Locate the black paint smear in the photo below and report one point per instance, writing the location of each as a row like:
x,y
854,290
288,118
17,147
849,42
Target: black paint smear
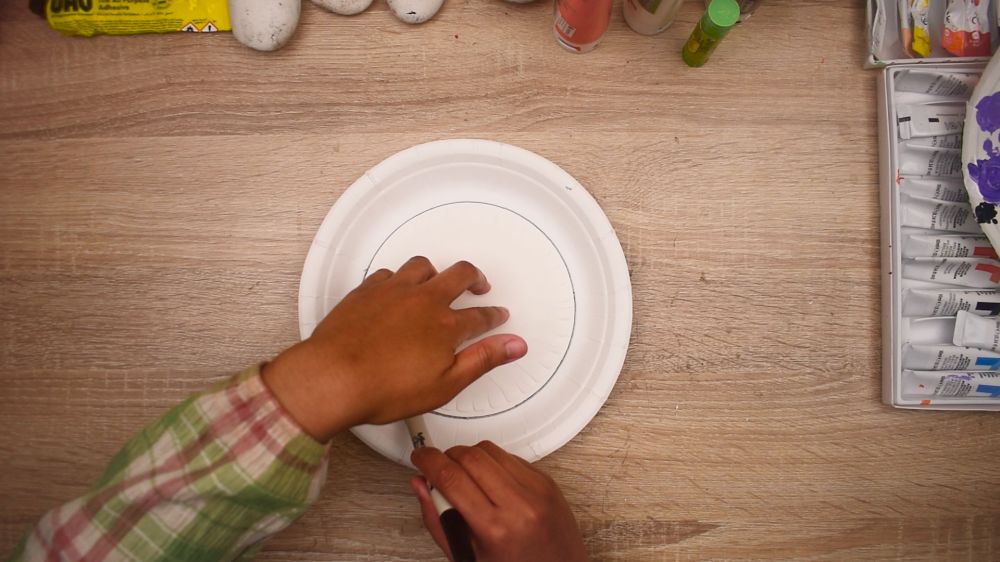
x,y
986,213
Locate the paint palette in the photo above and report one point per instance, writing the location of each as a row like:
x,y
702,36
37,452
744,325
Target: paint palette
x,y
550,254
981,151
936,261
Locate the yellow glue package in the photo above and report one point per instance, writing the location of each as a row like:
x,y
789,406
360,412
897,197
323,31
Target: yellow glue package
x,y
131,17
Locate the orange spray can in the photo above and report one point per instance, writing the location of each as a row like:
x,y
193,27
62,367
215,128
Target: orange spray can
x,y
581,24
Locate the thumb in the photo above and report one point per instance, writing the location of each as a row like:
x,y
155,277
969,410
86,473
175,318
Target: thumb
x,y
430,514
486,355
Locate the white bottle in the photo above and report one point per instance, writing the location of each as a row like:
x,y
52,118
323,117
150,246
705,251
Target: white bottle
x,y
650,17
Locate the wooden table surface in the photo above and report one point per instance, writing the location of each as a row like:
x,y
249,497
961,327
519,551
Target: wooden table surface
x,y
158,195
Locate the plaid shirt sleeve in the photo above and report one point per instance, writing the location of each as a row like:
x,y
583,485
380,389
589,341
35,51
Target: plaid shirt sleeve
x,y
210,480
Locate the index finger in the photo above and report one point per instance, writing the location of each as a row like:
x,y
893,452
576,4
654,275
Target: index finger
x,y
474,322
518,468
454,482
498,484
460,277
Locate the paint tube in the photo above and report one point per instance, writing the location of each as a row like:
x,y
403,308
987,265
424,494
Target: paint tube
x,y
951,384
967,28
920,212
933,162
940,141
964,272
976,331
942,189
930,119
914,29
948,302
953,84
947,246
949,358
936,330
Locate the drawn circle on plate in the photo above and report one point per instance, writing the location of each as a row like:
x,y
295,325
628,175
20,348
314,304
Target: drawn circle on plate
x,y
552,259
540,299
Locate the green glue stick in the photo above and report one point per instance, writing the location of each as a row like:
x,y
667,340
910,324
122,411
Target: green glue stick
x,y
719,18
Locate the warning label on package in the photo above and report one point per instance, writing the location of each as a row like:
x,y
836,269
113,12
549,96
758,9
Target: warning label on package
x,y
130,17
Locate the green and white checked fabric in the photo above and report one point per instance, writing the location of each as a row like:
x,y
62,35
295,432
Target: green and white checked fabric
x,y
210,480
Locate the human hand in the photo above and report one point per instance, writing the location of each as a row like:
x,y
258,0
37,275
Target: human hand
x,y
387,351
514,512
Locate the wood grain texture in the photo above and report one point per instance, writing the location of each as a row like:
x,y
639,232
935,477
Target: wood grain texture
x,y
158,195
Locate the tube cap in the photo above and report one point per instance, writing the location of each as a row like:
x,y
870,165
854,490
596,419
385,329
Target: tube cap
x,y
724,13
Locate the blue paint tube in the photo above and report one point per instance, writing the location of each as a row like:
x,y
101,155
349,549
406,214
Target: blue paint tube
x,y
949,358
950,384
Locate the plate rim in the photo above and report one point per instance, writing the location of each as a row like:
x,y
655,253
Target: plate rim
x,y
586,208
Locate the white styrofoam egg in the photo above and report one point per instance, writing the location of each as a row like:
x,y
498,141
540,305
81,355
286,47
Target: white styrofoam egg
x,y
414,11
264,25
344,7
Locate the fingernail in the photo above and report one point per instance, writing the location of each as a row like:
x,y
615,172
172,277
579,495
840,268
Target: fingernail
x,y
515,348
505,313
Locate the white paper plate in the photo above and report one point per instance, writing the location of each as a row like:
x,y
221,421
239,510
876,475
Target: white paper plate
x,y
550,254
981,151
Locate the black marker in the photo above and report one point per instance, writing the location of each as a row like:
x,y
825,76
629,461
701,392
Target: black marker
x,y
456,530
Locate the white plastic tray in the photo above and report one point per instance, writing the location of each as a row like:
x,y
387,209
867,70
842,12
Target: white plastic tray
x,y
897,329
550,254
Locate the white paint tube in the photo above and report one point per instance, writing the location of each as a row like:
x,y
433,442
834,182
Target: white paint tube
x,y
942,141
930,119
936,330
948,302
953,84
947,246
933,162
920,212
964,272
949,358
976,331
951,384
942,189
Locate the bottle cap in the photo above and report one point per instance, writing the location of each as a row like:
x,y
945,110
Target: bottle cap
x,y
724,13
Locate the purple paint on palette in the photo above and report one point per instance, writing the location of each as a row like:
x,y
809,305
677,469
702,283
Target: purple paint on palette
x,y
988,113
986,173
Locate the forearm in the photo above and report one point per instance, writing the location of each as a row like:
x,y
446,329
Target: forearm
x,y
209,480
